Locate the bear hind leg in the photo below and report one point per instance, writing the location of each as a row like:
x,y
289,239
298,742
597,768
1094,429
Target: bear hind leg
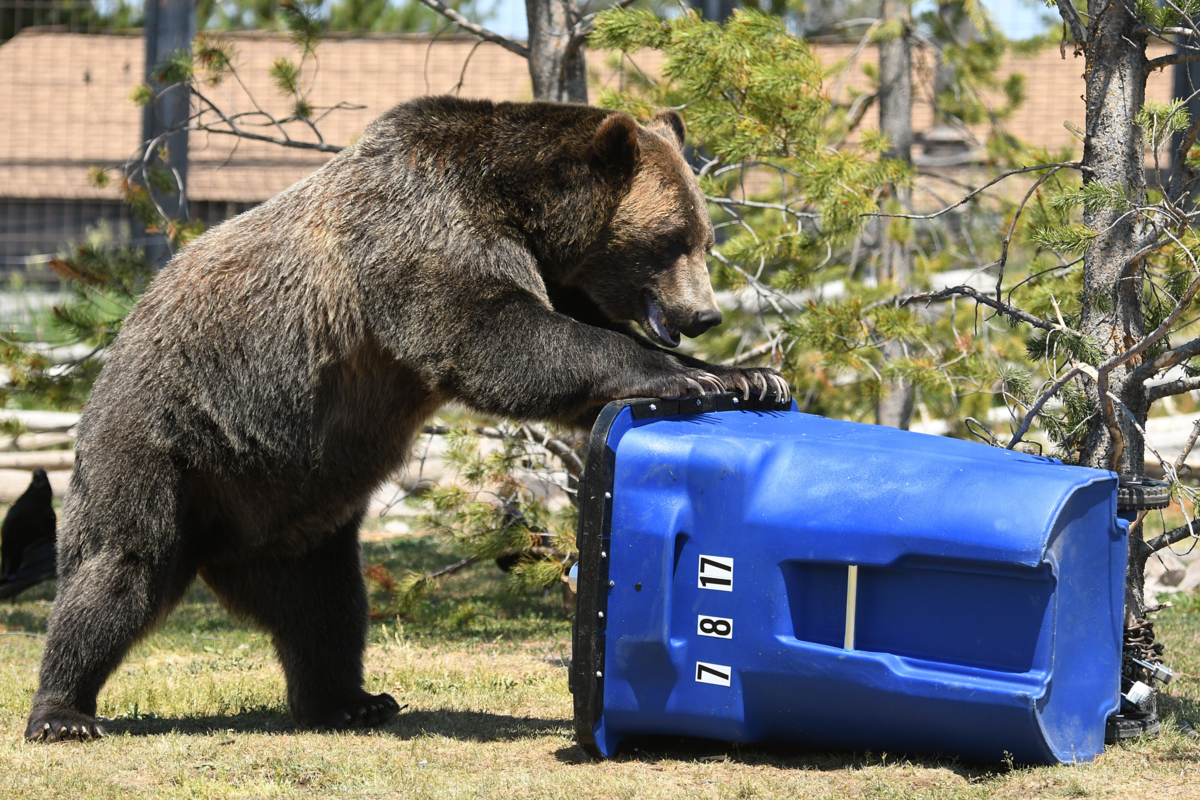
x,y
315,608
104,604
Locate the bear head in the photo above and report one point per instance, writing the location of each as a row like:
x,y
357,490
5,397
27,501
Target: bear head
x,y
648,264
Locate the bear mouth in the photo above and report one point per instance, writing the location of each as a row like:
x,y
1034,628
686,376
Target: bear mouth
x,y
656,323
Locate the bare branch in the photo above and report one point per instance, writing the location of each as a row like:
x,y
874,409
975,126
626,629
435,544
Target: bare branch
x,y
1004,308
452,568
752,354
1178,57
1169,359
1167,539
1003,260
988,185
1187,447
244,134
478,30
1070,16
1157,391
236,130
563,451
1036,408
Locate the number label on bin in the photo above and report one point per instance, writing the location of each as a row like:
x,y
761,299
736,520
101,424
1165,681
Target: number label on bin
x,y
716,674
720,627
716,573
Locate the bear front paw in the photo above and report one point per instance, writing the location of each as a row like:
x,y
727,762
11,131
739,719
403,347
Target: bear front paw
x,y
58,724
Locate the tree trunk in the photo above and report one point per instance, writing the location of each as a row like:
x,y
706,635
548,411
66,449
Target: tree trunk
x,y
556,61
170,25
1112,282
715,10
895,406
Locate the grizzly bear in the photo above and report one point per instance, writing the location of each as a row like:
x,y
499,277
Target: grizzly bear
x,y
276,371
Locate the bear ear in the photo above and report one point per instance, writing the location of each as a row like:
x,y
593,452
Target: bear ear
x,y
669,124
616,142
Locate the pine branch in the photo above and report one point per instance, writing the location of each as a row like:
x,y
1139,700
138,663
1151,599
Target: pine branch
x,y
587,22
557,447
1162,330
478,30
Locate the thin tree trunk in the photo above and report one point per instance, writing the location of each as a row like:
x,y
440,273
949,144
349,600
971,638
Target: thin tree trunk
x,y
1112,281
895,119
556,61
169,25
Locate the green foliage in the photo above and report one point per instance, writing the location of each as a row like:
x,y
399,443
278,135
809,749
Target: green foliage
x,y
213,55
789,196
175,67
141,95
1066,239
1093,196
285,74
753,97
492,510
1167,15
303,22
1159,121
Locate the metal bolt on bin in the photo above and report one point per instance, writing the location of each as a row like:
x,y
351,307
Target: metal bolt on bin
x,y
772,576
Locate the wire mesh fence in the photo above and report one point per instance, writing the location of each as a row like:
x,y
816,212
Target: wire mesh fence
x,y
67,74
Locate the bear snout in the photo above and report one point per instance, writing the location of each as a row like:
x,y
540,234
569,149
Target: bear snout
x,y
702,321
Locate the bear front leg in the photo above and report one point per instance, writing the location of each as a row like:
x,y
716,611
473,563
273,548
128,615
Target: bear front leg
x,y
745,380
532,362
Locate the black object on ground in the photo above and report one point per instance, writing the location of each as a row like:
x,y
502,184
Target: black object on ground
x,y
27,555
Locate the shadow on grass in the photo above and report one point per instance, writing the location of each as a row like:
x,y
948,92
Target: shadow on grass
x,y
656,749
473,726
255,721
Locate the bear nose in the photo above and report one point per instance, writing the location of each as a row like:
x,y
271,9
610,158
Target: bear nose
x,y
702,321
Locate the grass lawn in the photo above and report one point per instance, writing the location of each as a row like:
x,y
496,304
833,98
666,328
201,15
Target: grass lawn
x,y
198,710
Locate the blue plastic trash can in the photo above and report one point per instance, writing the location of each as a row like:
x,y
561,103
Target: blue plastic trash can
x,y
769,576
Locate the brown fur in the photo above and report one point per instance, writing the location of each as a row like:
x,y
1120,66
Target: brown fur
x,y
276,371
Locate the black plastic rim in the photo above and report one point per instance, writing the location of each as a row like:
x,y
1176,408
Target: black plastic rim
x,y
1122,728
586,677
1139,493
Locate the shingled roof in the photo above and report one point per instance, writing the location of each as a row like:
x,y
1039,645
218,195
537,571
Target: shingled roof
x,y
65,103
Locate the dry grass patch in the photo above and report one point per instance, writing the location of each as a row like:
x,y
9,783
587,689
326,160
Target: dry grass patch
x,y
198,711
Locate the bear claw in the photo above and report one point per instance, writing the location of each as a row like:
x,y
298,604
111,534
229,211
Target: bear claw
x,y
77,727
